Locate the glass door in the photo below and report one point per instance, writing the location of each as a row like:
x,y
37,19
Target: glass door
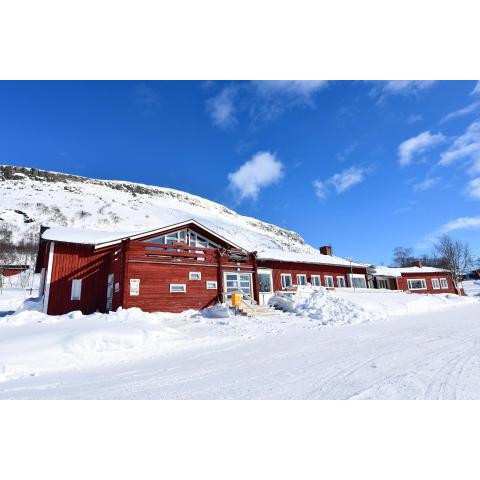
x,y
237,282
265,285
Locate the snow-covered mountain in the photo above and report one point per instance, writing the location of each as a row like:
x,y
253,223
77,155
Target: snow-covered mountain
x,y
30,197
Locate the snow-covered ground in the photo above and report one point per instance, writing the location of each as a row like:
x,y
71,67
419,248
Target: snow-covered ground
x,y
365,345
472,287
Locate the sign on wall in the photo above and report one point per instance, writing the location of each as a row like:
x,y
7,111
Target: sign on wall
x,y
134,286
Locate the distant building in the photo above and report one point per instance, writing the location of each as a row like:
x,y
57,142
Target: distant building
x,y
416,279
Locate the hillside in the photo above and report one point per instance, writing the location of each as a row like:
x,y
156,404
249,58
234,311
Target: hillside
x,y
32,197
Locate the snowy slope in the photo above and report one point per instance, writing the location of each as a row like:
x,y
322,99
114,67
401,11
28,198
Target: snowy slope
x,y
31,197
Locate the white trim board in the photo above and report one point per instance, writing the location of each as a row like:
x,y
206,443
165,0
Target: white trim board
x,y
46,296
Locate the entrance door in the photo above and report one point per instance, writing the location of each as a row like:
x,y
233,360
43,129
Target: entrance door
x,y
110,291
237,282
265,285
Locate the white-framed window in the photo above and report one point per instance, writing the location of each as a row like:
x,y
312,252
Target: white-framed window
x,y
178,288
211,285
286,280
341,282
435,284
357,280
194,275
416,284
329,281
444,283
301,279
382,283
316,281
76,290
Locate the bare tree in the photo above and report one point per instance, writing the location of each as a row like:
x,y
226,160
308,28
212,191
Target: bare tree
x,y
403,256
454,256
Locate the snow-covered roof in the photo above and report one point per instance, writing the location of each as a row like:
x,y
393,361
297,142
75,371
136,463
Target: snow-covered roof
x,y
100,238
382,271
314,257
84,237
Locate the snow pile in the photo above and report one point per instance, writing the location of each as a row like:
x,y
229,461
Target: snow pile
x,y
319,304
32,342
472,287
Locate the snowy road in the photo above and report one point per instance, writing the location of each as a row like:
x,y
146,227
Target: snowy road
x,y
423,356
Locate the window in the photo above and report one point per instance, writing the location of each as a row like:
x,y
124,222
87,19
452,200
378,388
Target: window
x,y
211,285
194,275
382,283
286,280
316,280
417,284
435,284
198,241
301,279
357,280
341,282
265,282
76,290
178,288
329,281
169,238
444,283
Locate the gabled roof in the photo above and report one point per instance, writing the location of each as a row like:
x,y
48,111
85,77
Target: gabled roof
x,y
100,239
296,257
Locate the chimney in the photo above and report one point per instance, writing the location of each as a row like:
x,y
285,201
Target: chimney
x,y
417,263
326,250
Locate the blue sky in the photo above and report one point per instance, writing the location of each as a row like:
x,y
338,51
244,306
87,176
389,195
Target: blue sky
x,y
365,166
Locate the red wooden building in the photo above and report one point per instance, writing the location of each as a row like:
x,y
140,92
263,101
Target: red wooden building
x,y
416,279
10,270
173,268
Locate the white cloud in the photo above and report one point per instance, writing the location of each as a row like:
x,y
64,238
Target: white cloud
x,y
426,184
222,108
261,100
473,188
407,87
302,89
321,189
414,118
346,152
476,89
262,170
340,182
400,87
417,145
461,223
461,112
466,147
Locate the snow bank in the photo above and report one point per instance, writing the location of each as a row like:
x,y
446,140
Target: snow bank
x,y
346,305
396,303
32,342
319,304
